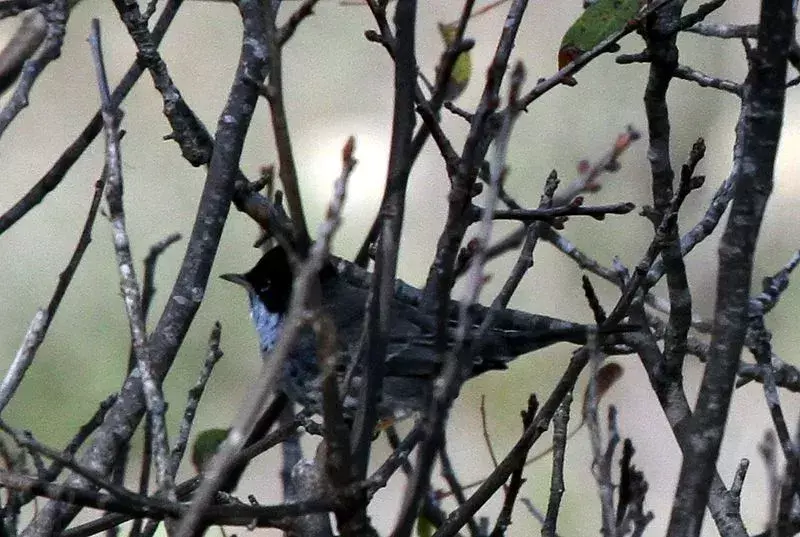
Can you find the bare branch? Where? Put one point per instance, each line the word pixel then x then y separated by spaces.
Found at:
pixel 28 37
pixel 516 482
pixel 573 209
pixel 560 422
pixel 602 454
pixel 760 132
pixel 128 283
pixel 286 31
pixel 287 169
pixel 65 278
pixel 195 393
pixel 55 15
pixel 378 319
pixel 724 31
pixel 449 475
pixel 706 81
pixel 24 358
pixel 53 177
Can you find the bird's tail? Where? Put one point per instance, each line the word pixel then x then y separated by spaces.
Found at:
pixel 515 333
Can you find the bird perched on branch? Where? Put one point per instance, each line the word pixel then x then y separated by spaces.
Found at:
pixel 412 362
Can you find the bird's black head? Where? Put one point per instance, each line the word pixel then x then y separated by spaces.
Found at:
pixel 270 279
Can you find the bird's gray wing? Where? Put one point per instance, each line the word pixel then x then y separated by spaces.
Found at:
pixel 411 346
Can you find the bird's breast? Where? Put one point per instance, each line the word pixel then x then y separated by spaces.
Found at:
pixel 268 324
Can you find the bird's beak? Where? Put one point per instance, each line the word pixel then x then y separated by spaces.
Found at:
pixel 237 279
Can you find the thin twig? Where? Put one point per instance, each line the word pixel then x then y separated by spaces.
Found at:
pixel 602 457
pixel 77 441
pixel 193 400
pixel 25 41
pixel 43 318
pixel 378 313
pixel 148 285
pixel 26 441
pixel 449 475
pixel 55 14
pixel 560 422
pixel 516 482
pixel 128 282
pixel 485 428
pixel 287 169
pixel 24 358
pixel 304 10
pixel 58 171
pixel 597 212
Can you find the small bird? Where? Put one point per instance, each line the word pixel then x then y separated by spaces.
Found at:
pixel 412 362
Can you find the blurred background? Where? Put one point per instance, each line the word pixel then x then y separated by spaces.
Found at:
pixel 337 84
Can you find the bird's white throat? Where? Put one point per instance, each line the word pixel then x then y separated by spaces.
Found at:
pixel 267 323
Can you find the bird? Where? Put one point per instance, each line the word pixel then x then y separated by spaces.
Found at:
pixel 412 363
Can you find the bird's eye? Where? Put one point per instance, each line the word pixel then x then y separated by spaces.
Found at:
pixel 265 288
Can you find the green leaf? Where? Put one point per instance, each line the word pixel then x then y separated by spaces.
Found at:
pixel 597 22
pixel 462 68
pixel 206 445
pixel 425 528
